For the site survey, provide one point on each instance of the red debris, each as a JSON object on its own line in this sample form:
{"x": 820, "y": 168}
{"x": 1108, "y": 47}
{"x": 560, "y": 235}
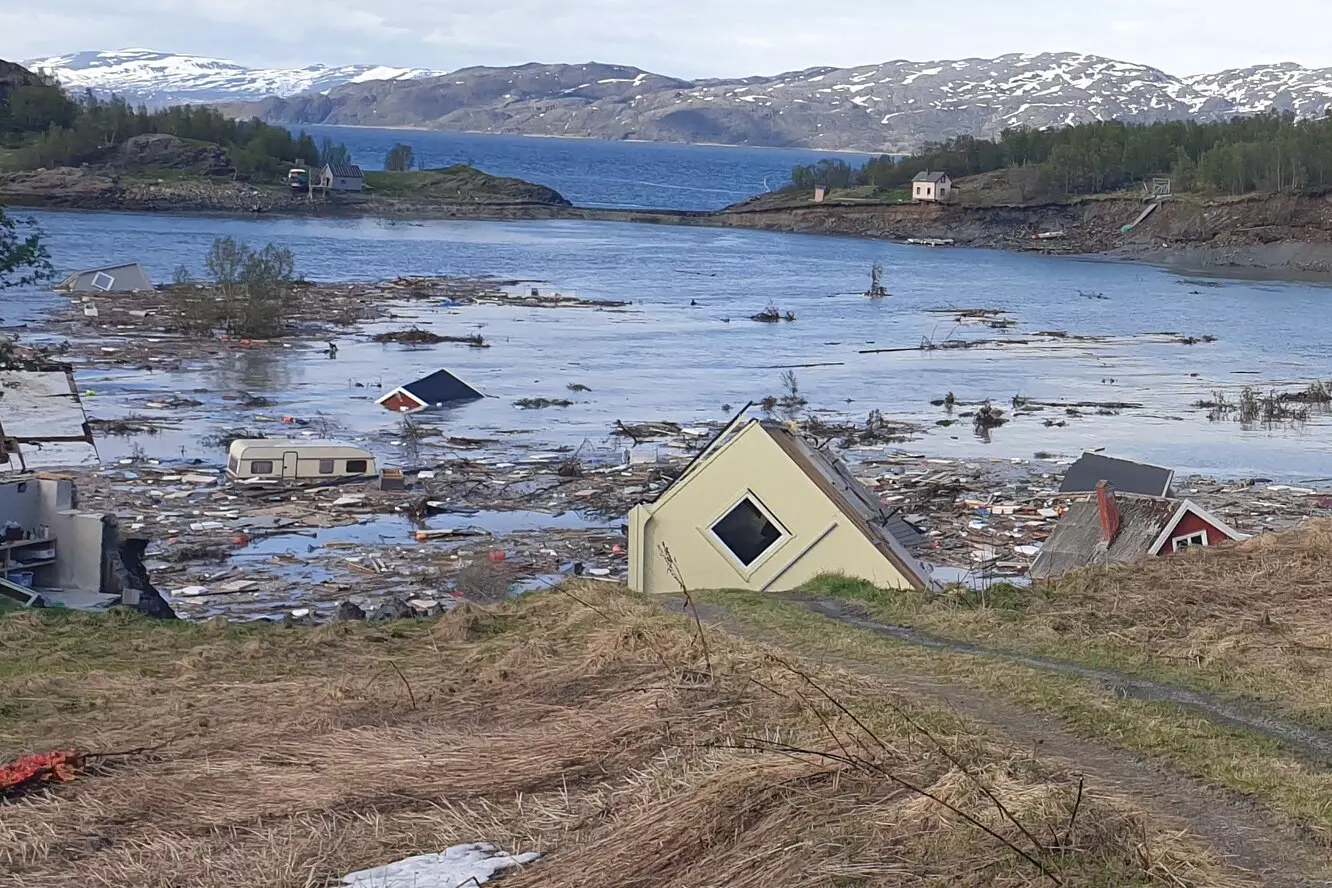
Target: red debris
{"x": 31, "y": 771}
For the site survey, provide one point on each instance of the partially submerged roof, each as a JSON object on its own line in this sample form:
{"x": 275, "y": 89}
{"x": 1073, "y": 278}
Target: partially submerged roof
{"x": 1145, "y": 526}
{"x": 125, "y": 277}
{"x": 1125, "y": 476}
{"x": 437, "y": 389}
{"x": 42, "y": 422}
{"x": 930, "y": 177}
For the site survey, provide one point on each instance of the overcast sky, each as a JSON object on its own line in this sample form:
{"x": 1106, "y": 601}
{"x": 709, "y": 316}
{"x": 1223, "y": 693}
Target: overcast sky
{"x": 687, "y": 38}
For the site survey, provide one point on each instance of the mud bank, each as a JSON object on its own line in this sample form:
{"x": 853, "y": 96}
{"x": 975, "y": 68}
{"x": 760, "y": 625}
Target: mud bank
{"x": 1285, "y": 234}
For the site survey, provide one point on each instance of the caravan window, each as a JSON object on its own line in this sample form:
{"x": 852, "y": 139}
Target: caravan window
{"x": 357, "y": 466}
{"x": 326, "y": 467}
{"x": 261, "y": 467}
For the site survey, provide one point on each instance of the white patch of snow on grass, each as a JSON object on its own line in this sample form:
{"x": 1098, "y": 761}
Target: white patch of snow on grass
{"x": 458, "y": 865}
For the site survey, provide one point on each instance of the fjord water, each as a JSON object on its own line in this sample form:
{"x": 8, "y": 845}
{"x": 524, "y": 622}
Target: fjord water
{"x": 686, "y": 351}
{"x": 595, "y": 172}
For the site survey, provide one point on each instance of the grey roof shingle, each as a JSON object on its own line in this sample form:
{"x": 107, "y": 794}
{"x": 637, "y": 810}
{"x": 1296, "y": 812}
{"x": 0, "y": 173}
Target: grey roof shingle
{"x": 1077, "y": 540}
{"x": 345, "y": 170}
{"x": 930, "y": 177}
{"x": 1125, "y": 476}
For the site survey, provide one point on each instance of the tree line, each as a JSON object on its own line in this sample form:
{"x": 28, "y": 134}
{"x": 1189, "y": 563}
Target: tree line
{"x": 1270, "y": 153}
{"x": 48, "y": 128}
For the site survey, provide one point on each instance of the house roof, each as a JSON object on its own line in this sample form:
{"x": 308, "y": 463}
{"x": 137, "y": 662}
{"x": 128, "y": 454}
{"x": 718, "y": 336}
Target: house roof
{"x": 345, "y": 170}
{"x": 930, "y": 177}
{"x": 135, "y": 267}
{"x": 854, "y": 500}
{"x": 440, "y": 387}
{"x": 1125, "y": 476}
{"x": 1077, "y": 542}
{"x": 41, "y": 413}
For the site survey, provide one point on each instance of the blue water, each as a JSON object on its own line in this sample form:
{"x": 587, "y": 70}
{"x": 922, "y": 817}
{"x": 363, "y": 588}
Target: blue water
{"x": 686, "y": 351}
{"x": 595, "y": 173}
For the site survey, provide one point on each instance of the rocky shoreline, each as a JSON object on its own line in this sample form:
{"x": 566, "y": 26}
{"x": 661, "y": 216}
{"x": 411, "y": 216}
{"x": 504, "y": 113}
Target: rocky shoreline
{"x": 1259, "y": 236}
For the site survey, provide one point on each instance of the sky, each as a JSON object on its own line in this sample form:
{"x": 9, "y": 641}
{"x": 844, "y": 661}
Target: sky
{"x": 683, "y": 38}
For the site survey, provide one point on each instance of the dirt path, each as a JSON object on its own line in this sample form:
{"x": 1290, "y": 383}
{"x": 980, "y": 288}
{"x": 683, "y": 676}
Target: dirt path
{"x": 1307, "y": 742}
{"x": 1250, "y": 836}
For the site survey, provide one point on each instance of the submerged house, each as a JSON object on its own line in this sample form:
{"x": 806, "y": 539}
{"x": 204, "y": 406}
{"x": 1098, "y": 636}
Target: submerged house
{"x": 1117, "y": 528}
{"x": 763, "y": 509}
{"x": 125, "y": 278}
{"x": 439, "y": 389}
{"x": 1124, "y": 476}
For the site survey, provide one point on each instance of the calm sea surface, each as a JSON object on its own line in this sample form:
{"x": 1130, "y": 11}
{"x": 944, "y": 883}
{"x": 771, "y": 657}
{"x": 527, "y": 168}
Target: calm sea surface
{"x": 685, "y": 349}
{"x": 591, "y": 172}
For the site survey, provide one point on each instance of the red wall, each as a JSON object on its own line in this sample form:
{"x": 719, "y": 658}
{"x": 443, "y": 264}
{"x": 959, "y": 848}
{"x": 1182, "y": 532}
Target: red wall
{"x": 398, "y": 402}
{"x": 1191, "y": 523}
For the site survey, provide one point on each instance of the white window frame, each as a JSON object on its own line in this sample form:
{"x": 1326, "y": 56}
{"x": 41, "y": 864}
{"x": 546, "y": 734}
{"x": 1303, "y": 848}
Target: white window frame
{"x": 1188, "y": 541}
{"x": 102, "y": 276}
{"x": 746, "y": 570}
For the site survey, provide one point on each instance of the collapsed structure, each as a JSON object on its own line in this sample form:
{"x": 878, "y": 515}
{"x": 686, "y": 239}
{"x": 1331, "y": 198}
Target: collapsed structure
{"x": 763, "y": 509}
{"x": 1117, "y": 528}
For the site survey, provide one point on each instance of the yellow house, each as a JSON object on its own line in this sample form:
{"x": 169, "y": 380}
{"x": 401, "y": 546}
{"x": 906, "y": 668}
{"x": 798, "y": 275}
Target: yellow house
{"x": 762, "y": 509}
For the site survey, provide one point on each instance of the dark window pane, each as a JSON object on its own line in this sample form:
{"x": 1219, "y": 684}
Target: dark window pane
{"x": 356, "y": 466}
{"x": 747, "y": 532}
{"x": 326, "y": 467}
{"x": 261, "y": 467}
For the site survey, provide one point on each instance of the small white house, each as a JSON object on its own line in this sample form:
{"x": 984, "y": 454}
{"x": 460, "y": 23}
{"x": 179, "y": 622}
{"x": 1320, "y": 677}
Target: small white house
{"x": 931, "y": 187}
{"x": 266, "y": 458}
{"x": 342, "y": 177}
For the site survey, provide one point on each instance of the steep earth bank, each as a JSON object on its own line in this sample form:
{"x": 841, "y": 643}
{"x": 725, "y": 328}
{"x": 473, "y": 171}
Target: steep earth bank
{"x": 1292, "y": 234}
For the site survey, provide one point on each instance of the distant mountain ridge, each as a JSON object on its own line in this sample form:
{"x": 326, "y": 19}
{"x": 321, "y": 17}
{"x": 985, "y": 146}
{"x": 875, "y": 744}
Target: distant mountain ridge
{"x": 161, "y": 78}
{"x": 895, "y": 106}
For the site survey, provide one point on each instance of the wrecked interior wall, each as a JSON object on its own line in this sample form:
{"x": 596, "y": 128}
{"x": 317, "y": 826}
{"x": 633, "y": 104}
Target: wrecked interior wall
{"x": 80, "y": 558}
{"x": 21, "y": 503}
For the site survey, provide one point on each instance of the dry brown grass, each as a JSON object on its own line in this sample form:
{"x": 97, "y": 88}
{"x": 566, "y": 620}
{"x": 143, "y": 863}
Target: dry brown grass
{"x": 1251, "y": 618}
{"x": 597, "y": 730}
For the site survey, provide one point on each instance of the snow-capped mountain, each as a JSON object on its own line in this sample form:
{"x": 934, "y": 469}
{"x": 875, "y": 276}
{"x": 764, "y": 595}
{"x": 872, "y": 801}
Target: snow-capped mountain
{"x": 161, "y": 78}
{"x": 895, "y": 106}
{"x": 1305, "y": 92}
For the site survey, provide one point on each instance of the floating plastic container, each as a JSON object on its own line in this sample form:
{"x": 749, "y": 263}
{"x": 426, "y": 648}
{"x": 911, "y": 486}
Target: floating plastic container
{"x": 22, "y": 578}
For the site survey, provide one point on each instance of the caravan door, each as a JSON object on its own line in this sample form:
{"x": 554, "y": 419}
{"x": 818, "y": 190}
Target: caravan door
{"x": 289, "y": 461}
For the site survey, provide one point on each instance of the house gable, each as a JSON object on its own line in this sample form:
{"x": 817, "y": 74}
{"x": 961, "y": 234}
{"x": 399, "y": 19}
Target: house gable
{"x": 1189, "y": 520}
{"x": 811, "y": 534}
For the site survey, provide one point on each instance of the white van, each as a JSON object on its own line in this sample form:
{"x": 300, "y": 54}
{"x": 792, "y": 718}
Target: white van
{"x": 265, "y": 458}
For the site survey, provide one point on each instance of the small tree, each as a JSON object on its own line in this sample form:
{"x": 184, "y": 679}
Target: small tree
{"x": 400, "y": 158}
{"x": 334, "y": 154}
{"x": 23, "y": 257}
{"x": 248, "y": 292}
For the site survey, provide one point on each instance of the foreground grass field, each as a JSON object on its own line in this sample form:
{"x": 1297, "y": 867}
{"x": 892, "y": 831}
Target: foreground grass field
{"x": 587, "y": 724}
{"x": 1250, "y": 620}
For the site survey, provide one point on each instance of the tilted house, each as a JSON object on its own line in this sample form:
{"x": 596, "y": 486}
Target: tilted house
{"x": 1118, "y": 528}
{"x": 342, "y": 177}
{"x": 930, "y": 187}
{"x": 439, "y": 389}
{"x": 125, "y": 278}
{"x": 762, "y": 509}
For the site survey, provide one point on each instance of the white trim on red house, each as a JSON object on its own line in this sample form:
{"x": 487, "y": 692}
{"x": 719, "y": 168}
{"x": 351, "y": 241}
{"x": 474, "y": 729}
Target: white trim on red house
{"x": 1168, "y": 534}
{"x": 421, "y": 405}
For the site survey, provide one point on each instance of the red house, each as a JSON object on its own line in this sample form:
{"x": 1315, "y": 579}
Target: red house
{"x": 1119, "y": 528}
{"x": 439, "y": 389}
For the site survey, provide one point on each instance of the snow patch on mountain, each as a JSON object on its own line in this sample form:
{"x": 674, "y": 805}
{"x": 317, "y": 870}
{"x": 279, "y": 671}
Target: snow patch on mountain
{"x": 158, "y": 78}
